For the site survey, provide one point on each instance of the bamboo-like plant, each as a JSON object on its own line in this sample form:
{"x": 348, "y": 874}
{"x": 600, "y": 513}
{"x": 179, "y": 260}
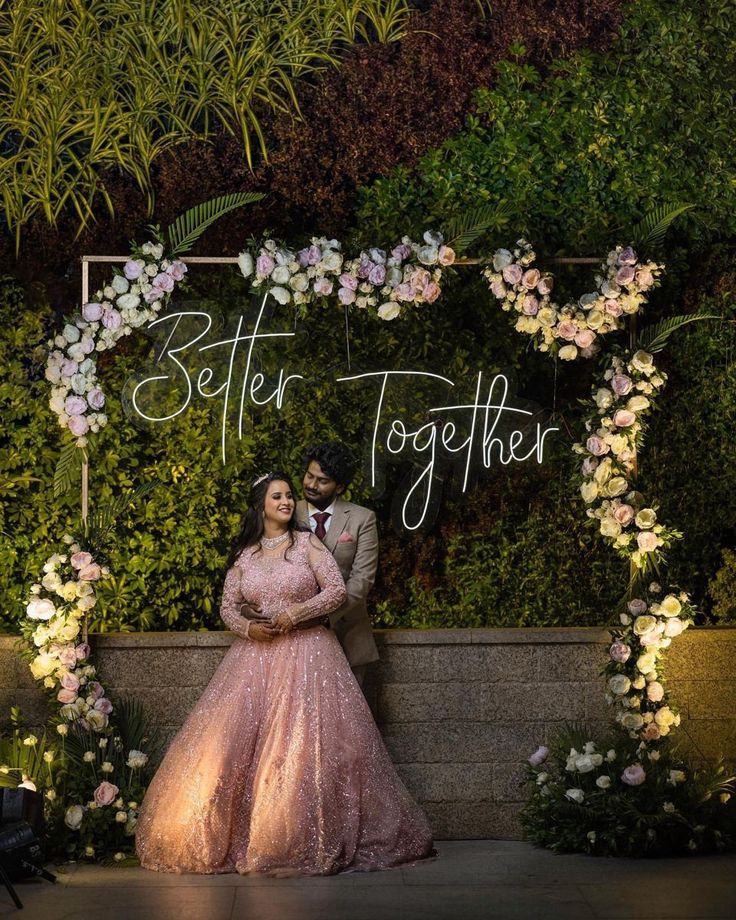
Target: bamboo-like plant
{"x": 114, "y": 83}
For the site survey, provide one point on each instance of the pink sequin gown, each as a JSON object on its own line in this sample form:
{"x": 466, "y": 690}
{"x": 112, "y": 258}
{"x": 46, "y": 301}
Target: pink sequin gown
{"x": 280, "y": 766}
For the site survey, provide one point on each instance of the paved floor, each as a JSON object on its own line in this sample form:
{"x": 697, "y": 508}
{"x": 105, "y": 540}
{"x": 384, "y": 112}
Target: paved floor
{"x": 488, "y": 879}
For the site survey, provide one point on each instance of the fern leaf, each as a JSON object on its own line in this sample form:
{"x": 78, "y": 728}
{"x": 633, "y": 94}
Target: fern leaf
{"x": 652, "y": 228}
{"x": 105, "y": 518}
{"x": 189, "y": 226}
{"x": 466, "y": 229}
{"x": 654, "y": 338}
{"x": 67, "y": 467}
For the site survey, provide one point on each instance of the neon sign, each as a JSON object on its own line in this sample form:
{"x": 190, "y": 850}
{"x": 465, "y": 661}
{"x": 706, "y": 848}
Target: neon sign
{"x": 457, "y": 437}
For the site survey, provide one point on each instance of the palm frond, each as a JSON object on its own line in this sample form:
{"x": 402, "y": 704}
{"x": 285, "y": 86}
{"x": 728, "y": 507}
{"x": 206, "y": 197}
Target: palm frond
{"x": 67, "y": 467}
{"x": 137, "y": 730}
{"x": 470, "y": 226}
{"x": 104, "y": 518}
{"x": 654, "y": 338}
{"x": 190, "y": 225}
{"x": 652, "y": 228}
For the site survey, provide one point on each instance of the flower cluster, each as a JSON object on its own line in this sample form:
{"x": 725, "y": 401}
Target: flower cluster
{"x": 54, "y": 613}
{"x": 614, "y": 428}
{"x": 376, "y": 280}
{"x": 130, "y": 300}
{"x": 573, "y": 330}
{"x": 635, "y": 686}
{"x": 618, "y": 797}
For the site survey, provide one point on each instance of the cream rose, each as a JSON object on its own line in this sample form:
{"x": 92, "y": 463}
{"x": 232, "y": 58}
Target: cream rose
{"x": 670, "y": 606}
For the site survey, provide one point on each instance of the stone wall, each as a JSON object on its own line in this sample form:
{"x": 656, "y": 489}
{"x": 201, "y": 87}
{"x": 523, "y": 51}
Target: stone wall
{"x": 459, "y": 710}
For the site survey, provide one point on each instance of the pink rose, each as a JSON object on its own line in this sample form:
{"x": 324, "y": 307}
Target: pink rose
{"x": 78, "y": 425}
{"x": 647, "y": 540}
{"x": 530, "y": 278}
{"x": 346, "y": 296}
{"x": 314, "y": 254}
{"x": 302, "y": 257}
{"x": 651, "y": 732}
{"x": 419, "y": 279}
{"x": 79, "y": 560}
{"x": 348, "y": 281}
{"x": 133, "y": 269}
{"x": 153, "y": 295}
{"x": 637, "y": 606}
{"x": 365, "y": 268}
{"x": 589, "y": 464}
{"x": 431, "y": 292}
{"x": 90, "y": 572}
{"x": 625, "y": 274}
{"x": 589, "y": 352}
{"x": 597, "y": 446}
{"x": 377, "y": 274}
{"x": 92, "y": 312}
{"x": 621, "y": 384}
{"x": 585, "y": 338}
{"x": 111, "y": 318}
{"x": 634, "y": 775}
{"x": 624, "y": 514}
{"x": 83, "y": 724}
{"x": 530, "y": 306}
{"x": 655, "y": 691}
{"x": 66, "y": 696}
{"x": 539, "y": 756}
{"x": 163, "y": 282}
{"x": 69, "y": 368}
{"x": 546, "y": 283}
{"x": 70, "y": 682}
{"x": 512, "y": 273}
{"x": 95, "y": 689}
{"x": 627, "y": 256}
{"x": 82, "y": 651}
{"x": 106, "y": 793}
{"x": 498, "y": 289}
{"x": 401, "y": 252}
{"x": 620, "y": 652}
{"x": 404, "y": 292}
{"x": 567, "y": 330}
{"x": 446, "y": 256}
{"x": 613, "y": 308}
{"x": 177, "y": 270}
{"x": 96, "y": 398}
{"x": 644, "y": 278}
{"x": 323, "y": 286}
{"x": 623, "y": 418}
{"x": 75, "y": 405}
{"x": 265, "y": 265}
{"x": 103, "y": 705}
{"x": 68, "y": 657}
{"x": 87, "y": 345}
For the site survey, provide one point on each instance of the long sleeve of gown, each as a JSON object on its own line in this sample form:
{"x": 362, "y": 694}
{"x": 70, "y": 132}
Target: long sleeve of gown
{"x": 232, "y": 598}
{"x": 332, "y": 591}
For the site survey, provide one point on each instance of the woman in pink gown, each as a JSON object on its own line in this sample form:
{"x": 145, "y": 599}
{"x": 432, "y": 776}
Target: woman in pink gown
{"x": 279, "y": 768}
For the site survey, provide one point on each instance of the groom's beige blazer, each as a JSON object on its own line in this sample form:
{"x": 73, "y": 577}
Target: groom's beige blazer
{"x": 352, "y": 538}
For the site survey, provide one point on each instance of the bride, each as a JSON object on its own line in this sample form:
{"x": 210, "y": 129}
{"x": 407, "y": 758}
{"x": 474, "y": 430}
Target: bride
{"x": 280, "y": 767}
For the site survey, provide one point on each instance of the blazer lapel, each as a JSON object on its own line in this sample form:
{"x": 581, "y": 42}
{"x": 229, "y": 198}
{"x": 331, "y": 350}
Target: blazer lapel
{"x": 337, "y": 525}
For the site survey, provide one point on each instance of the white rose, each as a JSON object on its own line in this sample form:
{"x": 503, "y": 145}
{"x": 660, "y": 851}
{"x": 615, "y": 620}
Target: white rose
{"x": 610, "y": 527}
{"x": 664, "y": 717}
{"x": 676, "y": 776}
{"x": 575, "y": 795}
{"x": 619, "y": 684}
{"x": 645, "y": 663}
{"x": 121, "y": 817}
{"x": 73, "y": 817}
{"x": 589, "y": 491}
{"x": 637, "y": 403}
{"x": 389, "y": 310}
{"x": 584, "y": 763}
{"x": 632, "y": 721}
{"x": 644, "y": 624}
{"x": 603, "y": 782}
{"x": 71, "y": 333}
{"x": 40, "y": 608}
{"x": 670, "y": 606}
{"x": 673, "y": 627}
{"x": 120, "y": 284}
{"x": 96, "y": 719}
{"x": 299, "y": 282}
{"x": 616, "y": 486}
{"x": 568, "y": 353}
{"x": 280, "y": 294}
{"x": 245, "y": 263}
{"x": 642, "y": 361}
{"x": 88, "y": 756}
{"x": 603, "y": 398}
{"x": 43, "y": 665}
{"x": 281, "y": 274}
{"x": 137, "y": 759}
{"x": 646, "y": 518}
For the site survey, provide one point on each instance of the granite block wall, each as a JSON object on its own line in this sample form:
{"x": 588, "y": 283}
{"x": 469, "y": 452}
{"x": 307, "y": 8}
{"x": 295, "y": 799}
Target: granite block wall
{"x": 459, "y": 710}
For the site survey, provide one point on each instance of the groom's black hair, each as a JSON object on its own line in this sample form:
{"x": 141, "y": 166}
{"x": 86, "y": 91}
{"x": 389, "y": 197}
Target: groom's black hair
{"x": 335, "y": 459}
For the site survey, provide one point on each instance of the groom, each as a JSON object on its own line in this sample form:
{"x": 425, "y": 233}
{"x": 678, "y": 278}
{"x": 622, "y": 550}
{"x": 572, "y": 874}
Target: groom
{"x": 349, "y": 532}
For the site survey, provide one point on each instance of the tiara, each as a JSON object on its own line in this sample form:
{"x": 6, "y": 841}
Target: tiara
{"x": 260, "y": 479}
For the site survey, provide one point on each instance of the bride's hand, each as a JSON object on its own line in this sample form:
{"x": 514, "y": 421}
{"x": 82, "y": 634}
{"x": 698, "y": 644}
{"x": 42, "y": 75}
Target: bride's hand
{"x": 283, "y": 622}
{"x": 262, "y": 632}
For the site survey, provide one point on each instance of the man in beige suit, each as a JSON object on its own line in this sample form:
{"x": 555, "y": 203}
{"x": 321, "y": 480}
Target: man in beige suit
{"x": 349, "y": 532}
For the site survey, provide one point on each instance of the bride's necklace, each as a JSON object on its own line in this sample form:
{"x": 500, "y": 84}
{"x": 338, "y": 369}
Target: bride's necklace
{"x": 273, "y": 542}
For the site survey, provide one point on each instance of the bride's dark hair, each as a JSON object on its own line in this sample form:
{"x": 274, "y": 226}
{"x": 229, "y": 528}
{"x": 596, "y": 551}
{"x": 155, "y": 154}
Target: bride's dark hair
{"x": 251, "y": 527}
